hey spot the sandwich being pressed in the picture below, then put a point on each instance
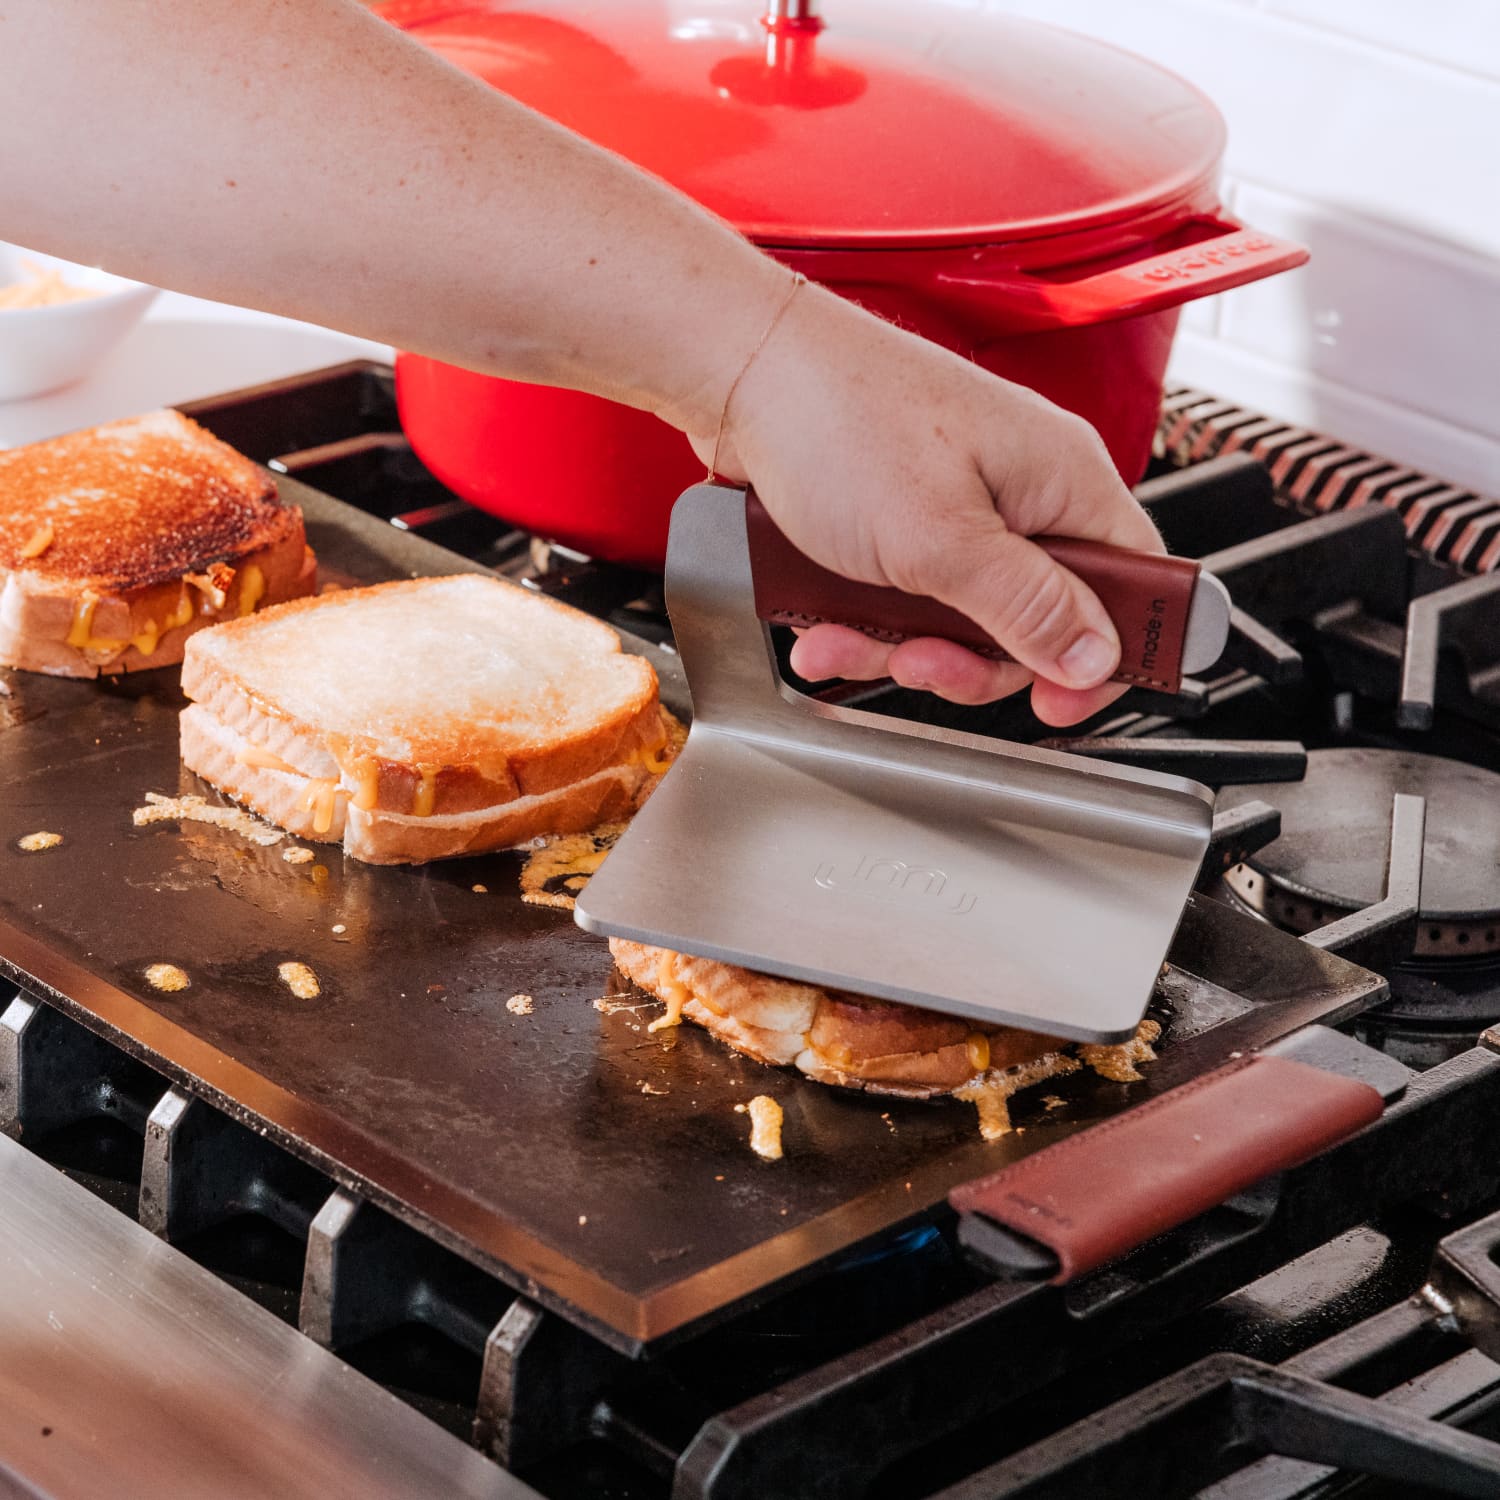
(120, 542)
(855, 1042)
(415, 720)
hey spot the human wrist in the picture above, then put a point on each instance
(721, 331)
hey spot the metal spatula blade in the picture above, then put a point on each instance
(977, 877)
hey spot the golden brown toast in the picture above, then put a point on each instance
(424, 718)
(118, 542)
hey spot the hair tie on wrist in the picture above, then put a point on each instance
(798, 280)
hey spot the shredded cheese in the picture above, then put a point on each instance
(300, 980)
(765, 1127)
(990, 1093)
(1118, 1062)
(42, 286)
(160, 809)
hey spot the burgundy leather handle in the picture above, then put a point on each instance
(1111, 1187)
(1148, 596)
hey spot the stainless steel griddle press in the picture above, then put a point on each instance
(992, 880)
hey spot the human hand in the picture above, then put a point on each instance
(894, 461)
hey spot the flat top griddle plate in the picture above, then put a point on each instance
(602, 1170)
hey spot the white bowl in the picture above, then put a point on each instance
(42, 348)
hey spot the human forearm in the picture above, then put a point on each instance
(303, 157)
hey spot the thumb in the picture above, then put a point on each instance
(1047, 618)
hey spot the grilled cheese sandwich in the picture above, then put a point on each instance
(120, 542)
(859, 1043)
(415, 720)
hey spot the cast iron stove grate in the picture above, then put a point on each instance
(914, 1367)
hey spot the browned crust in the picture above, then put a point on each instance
(127, 517)
(836, 1038)
(473, 773)
(38, 643)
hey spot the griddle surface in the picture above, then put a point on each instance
(600, 1169)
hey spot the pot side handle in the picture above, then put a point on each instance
(1072, 297)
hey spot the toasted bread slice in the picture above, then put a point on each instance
(422, 719)
(119, 542)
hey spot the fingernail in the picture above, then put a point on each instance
(1088, 661)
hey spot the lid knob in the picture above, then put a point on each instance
(791, 14)
(789, 72)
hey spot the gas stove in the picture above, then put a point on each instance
(1338, 1321)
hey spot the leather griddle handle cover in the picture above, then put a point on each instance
(1095, 1195)
(1148, 597)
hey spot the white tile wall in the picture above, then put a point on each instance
(1370, 131)
(1463, 34)
(1375, 308)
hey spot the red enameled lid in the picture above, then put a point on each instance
(883, 123)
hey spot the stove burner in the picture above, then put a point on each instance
(1330, 858)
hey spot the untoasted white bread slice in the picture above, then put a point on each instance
(422, 719)
(119, 542)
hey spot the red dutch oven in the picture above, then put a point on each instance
(1038, 201)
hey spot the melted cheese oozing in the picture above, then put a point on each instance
(990, 1099)
(252, 588)
(182, 614)
(322, 796)
(566, 859)
(255, 755)
(655, 758)
(81, 633)
(147, 641)
(366, 783)
(426, 793)
(765, 1127)
(672, 989)
(979, 1051)
(40, 540)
